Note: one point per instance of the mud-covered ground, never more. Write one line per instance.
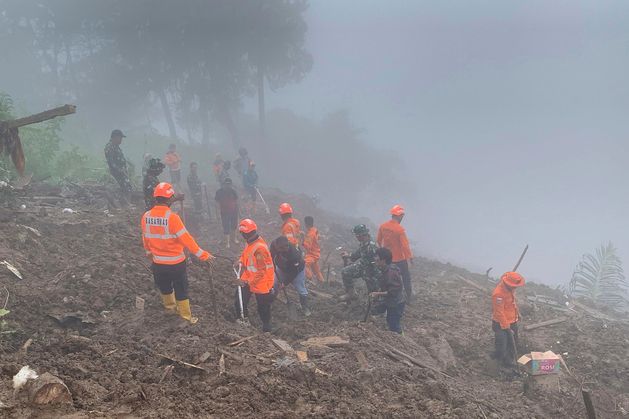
(91, 265)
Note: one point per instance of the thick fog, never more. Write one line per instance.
(510, 117)
(495, 123)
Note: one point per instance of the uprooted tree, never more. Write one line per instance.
(600, 279)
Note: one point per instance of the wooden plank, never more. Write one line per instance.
(302, 356)
(545, 323)
(221, 365)
(283, 345)
(470, 283)
(42, 116)
(330, 341)
(362, 360)
(241, 341)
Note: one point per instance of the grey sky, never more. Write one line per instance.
(510, 115)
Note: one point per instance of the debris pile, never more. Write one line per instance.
(86, 317)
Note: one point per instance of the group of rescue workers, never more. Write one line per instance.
(291, 259)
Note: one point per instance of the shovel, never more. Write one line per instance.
(240, 305)
(266, 207)
(368, 308)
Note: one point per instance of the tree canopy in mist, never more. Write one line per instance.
(196, 59)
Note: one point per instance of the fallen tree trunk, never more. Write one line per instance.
(41, 117)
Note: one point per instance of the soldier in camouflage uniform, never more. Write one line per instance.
(150, 181)
(363, 264)
(196, 187)
(118, 164)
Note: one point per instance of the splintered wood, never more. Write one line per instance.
(545, 323)
(283, 345)
(329, 341)
(362, 361)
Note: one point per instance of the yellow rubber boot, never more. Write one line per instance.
(183, 307)
(169, 302)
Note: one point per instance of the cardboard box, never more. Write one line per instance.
(541, 363)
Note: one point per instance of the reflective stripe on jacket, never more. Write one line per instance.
(292, 230)
(393, 236)
(505, 310)
(257, 266)
(165, 236)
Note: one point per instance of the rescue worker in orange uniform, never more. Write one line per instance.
(393, 236)
(165, 237)
(313, 250)
(290, 227)
(257, 273)
(505, 318)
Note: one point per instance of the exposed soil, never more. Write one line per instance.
(91, 264)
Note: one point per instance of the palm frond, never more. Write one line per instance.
(600, 278)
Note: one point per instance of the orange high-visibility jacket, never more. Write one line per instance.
(165, 236)
(257, 265)
(393, 236)
(505, 310)
(173, 161)
(311, 244)
(292, 230)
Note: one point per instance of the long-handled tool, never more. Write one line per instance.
(212, 291)
(517, 265)
(207, 201)
(511, 332)
(240, 304)
(368, 308)
(266, 207)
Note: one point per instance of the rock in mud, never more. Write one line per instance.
(48, 389)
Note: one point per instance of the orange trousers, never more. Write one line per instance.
(312, 268)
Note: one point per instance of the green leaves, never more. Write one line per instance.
(4, 312)
(600, 278)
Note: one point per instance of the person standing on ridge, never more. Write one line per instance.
(242, 162)
(313, 250)
(257, 274)
(150, 181)
(118, 165)
(196, 187)
(173, 161)
(290, 226)
(393, 236)
(227, 200)
(164, 237)
(250, 182)
(505, 317)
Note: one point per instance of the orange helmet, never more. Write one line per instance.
(247, 226)
(397, 210)
(285, 209)
(163, 190)
(512, 279)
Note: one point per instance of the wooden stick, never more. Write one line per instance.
(589, 406)
(517, 265)
(242, 340)
(470, 282)
(545, 323)
(42, 116)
